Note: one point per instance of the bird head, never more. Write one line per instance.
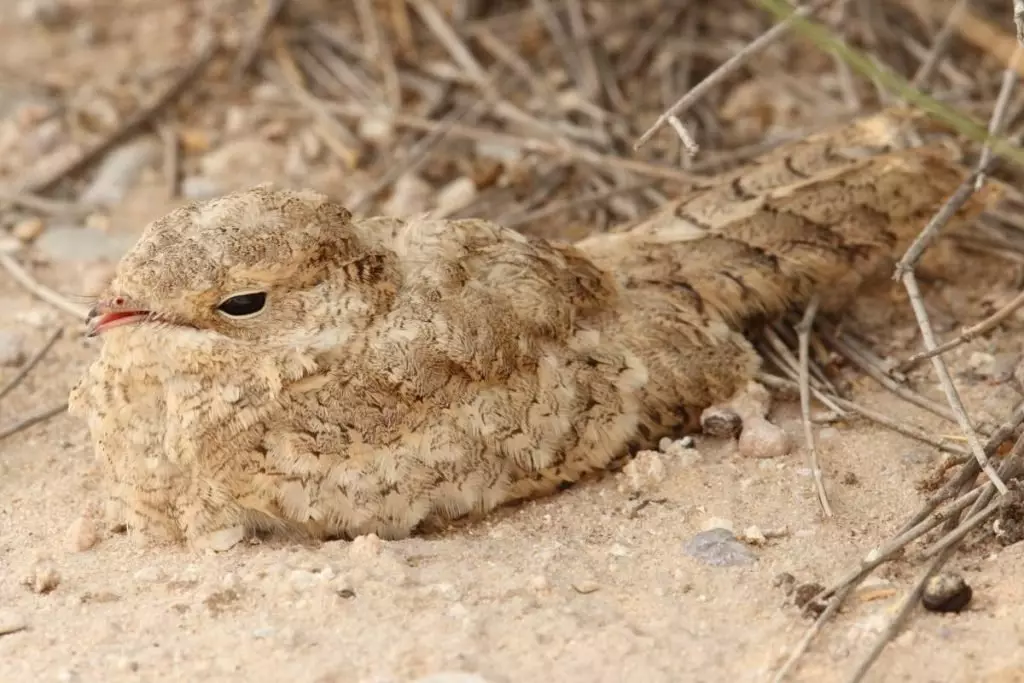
(275, 266)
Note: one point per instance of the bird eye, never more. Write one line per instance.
(243, 305)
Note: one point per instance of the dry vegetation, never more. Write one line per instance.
(529, 112)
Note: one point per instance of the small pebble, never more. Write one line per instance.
(717, 523)
(119, 171)
(222, 540)
(1003, 366)
(82, 534)
(980, 361)
(719, 548)
(753, 535)
(378, 129)
(645, 472)
(365, 547)
(509, 155)
(761, 439)
(12, 349)
(11, 622)
(43, 578)
(28, 229)
(455, 196)
(721, 422)
(946, 592)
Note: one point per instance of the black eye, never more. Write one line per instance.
(242, 305)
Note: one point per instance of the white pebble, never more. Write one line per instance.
(151, 574)
(222, 540)
(365, 547)
(377, 128)
(455, 196)
(82, 534)
(28, 229)
(761, 439)
(645, 472)
(120, 170)
(717, 523)
(753, 535)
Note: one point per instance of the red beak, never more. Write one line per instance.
(101, 319)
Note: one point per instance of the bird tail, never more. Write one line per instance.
(757, 256)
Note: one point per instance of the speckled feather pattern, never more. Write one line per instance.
(408, 372)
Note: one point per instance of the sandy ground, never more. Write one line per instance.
(591, 585)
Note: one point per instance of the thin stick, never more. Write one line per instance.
(137, 120)
(997, 122)
(805, 642)
(946, 381)
(606, 161)
(841, 405)
(968, 334)
(909, 602)
(931, 231)
(885, 380)
(969, 471)
(379, 50)
(939, 46)
(729, 67)
(251, 48)
(804, 339)
(32, 362)
(689, 144)
(27, 422)
(41, 291)
(974, 519)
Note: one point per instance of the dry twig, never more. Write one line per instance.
(804, 332)
(129, 127)
(41, 291)
(32, 362)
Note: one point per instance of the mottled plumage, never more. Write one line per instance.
(402, 373)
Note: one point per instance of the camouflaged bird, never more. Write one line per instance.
(271, 363)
